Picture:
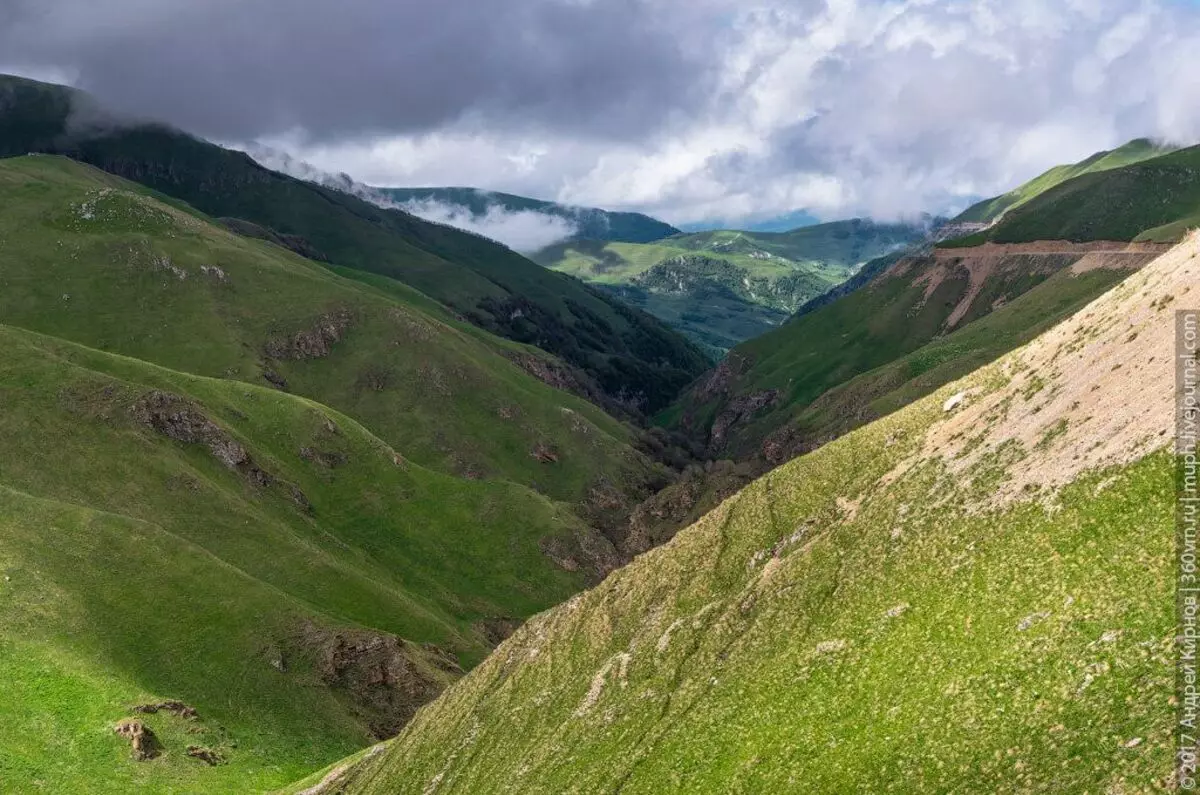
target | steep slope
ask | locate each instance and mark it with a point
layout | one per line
(1154, 199)
(721, 288)
(918, 324)
(88, 258)
(587, 222)
(972, 594)
(297, 501)
(631, 356)
(248, 552)
(990, 210)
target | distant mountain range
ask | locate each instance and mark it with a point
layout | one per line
(723, 287)
(587, 223)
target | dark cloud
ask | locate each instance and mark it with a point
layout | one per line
(240, 69)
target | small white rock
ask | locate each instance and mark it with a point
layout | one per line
(954, 402)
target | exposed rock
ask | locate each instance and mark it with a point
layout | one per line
(274, 379)
(721, 380)
(178, 418)
(699, 489)
(177, 708)
(586, 550)
(377, 674)
(544, 453)
(314, 343)
(207, 755)
(143, 743)
(327, 459)
(300, 498)
(215, 272)
(738, 410)
(785, 443)
(497, 630)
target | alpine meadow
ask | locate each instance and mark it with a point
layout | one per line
(625, 396)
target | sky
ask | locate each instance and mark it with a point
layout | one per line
(722, 112)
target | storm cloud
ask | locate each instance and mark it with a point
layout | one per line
(693, 110)
(240, 69)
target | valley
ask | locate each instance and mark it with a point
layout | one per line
(722, 288)
(306, 493)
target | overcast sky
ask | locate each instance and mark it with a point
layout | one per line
(693, 110)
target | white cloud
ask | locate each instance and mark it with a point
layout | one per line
(882, 107)
(523, 230)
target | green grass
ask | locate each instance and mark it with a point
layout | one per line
(627, 352)
(146, 566)
(432, 386)
(900, 381)
(724, 287)
(1155, 199)
(791, 643)
(885, 344)
(1132, 152)
(138, 568)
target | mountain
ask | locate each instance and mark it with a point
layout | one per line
(991, 210)
(631, 356)
(298, 500)
(972, 594)
(1138, 193)
(723, 287)
(921, 321)
(585, 222)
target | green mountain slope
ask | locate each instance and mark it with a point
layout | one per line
(88, 258)
(973, 594)
(926, 319)
(721, 288)
(299, 499)
(1135, 151)
(590, 223)
(1155, 199)
(166, 536)
(630, 355)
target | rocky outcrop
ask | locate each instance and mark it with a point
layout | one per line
(384, 679)
(178, 418)
(207, 755)
(143, 743)
(739, 410)
(176, 708)
(315, 342)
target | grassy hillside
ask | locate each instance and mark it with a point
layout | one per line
(1135, 151)
(167, 536)
(1155, 199)
(88, 258)
(922, 322)
(591, 223)
(721, 288)
(973, 594)
(630, 355)
(299, 499)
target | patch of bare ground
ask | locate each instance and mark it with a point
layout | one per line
(982, 264)
(1096, 390)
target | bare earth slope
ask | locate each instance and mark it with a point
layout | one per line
(972, 594)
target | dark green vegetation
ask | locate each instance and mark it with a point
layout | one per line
(990, 210)
(922, 322)
(630, 355)
(721, 288)
(974, 598)
(590, 223)
(1152, 198)
(241, 479)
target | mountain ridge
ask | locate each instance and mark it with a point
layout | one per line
(744, 653)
